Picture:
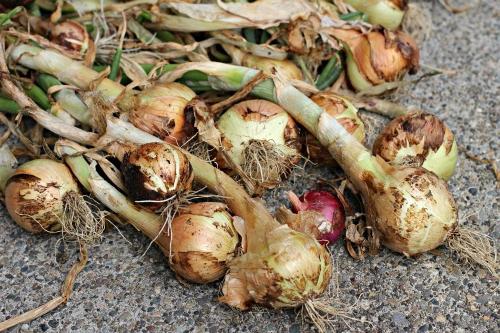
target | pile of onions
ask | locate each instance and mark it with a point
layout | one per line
(387, 13)
(163, 110)
(345, 113)
(35, 193)
(376, 57)
(203, 241)
(261, 138)
(156, 173)
(418, 139)
(318, 213)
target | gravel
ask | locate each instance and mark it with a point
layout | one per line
(121, 290)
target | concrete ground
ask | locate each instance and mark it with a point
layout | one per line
(122, 291)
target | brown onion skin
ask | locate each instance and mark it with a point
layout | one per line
(67, 32)
(160, 159)
(195, 246)
(34, 199)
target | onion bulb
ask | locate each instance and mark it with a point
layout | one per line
(203, 241)
(418, 139)
(387, 13)
(154, 172)
(318, 213)
(34, 194)
(286, 68)
(71, 35)
(161, 110)
(345, 113)
(261, 138)
(376, 58)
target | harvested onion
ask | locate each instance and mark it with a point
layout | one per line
(376, 58)
(155, 172)
(203, 240)
(418, 139)
(34, 194)
(161, 110)
(345, 113)
(261, 138)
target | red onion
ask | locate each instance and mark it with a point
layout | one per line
(332, 224)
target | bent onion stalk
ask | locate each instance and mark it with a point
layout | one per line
(411, 207)
(418, 139)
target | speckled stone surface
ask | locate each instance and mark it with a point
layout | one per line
(122, 291)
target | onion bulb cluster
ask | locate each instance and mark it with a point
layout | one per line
(418, 139)
(376, 57)
(71, 35)
(261, 138)
(387, 13)
(162, 110)
(154, 173)
(203, 240)
(345, 113)
(34, 194)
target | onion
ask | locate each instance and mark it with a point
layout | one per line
(345, 113)
(287, 68)
(261, 138)
(161, 110)
(34, 194)
(318, 213)
(71, 35)
(418, 139)
(376, 58)
(387, 13)
(203, 241)
(155, 172)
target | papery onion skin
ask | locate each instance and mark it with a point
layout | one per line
(71, 35)
(163, 110)
(331, 209)
(292, 269)
(375, 58)
(418, 139)
(257, 120)
(34, 194)
(417, 216)
(156, 172)
(345, 113)
(387, 13)
(203, 241)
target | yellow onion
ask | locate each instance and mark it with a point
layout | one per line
(285, 270)
(71, 35)
(286, 67)
(161, 110)
(34, 195)
(155, 172)
(260, 137)
(203, 240)
(345, 113)
(418, 139)
(375, 58)
(387, 13)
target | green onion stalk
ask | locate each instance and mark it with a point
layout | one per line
(411, 207)
(281, 267)
(387, 13)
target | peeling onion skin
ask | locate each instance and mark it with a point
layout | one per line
(156, 172)
(34, 194)
(71, 35)
(203, 241)
(418, 139)
(409, 217)
(163, 110)
(291, 270)
(376, 57)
